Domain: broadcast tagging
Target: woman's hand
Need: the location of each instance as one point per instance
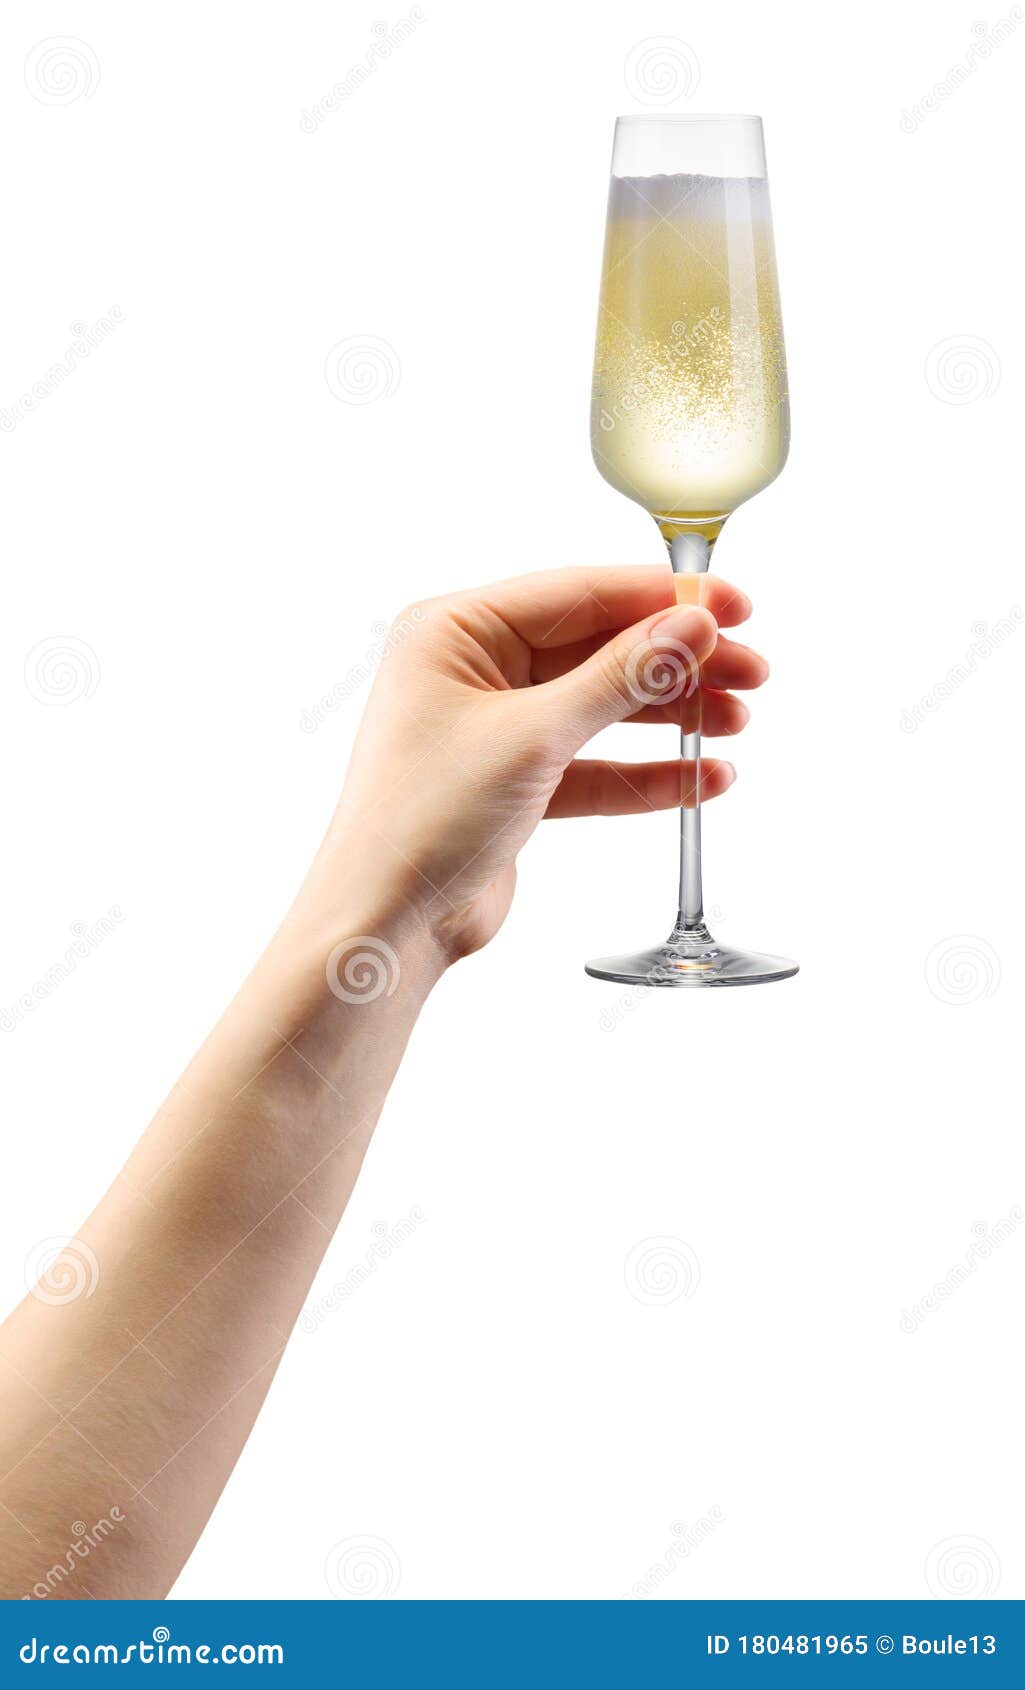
(472, 730)
(133, 1400)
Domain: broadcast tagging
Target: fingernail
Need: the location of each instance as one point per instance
(682, 619)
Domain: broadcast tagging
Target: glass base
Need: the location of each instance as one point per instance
(689, 960)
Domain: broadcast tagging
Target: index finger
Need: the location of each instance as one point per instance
(557, 607)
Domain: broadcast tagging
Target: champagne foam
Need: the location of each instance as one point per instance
(690, 199)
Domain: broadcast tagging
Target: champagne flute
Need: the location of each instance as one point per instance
(689, 417)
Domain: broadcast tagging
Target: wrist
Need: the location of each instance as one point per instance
(360, 935)
(334, 997)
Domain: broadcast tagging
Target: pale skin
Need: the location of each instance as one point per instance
(131, 1377)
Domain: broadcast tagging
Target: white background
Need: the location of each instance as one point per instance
(217, 538)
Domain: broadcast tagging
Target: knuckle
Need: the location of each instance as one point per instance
(414, 615)
(615, 670)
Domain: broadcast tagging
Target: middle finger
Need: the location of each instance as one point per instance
(730, 665)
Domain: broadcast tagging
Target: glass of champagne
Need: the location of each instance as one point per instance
(689, 416)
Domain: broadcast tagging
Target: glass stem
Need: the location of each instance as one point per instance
(689, 554)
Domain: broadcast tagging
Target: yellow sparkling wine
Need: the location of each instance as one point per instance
(689, 410)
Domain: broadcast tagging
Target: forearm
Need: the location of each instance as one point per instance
(136, 1394)
(139, 1395)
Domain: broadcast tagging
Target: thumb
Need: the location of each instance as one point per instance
(654, 662)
